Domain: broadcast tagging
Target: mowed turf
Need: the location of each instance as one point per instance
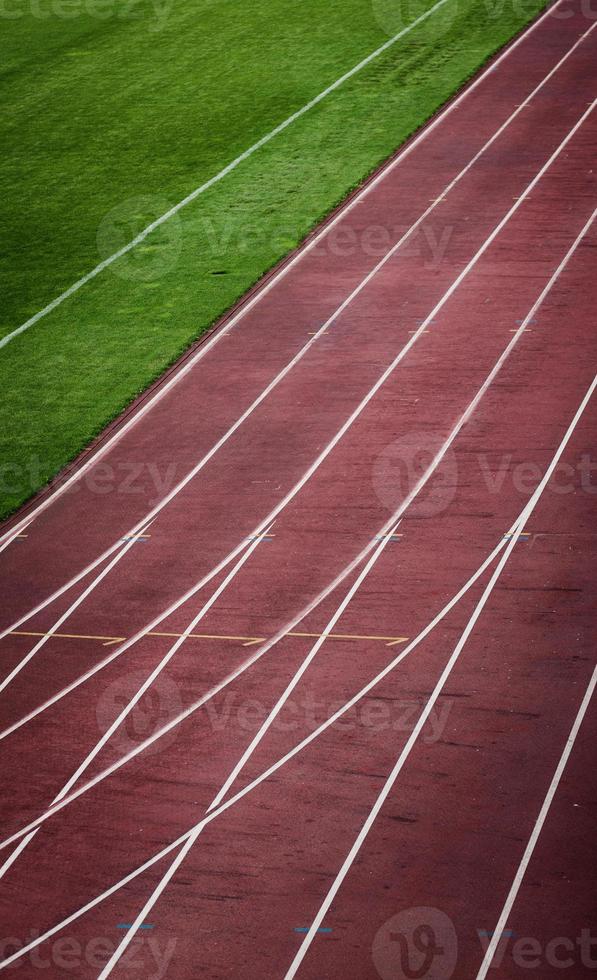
(114, 110)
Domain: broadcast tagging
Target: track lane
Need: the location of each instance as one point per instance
(577, 202)
(514, 698)
(551, 925)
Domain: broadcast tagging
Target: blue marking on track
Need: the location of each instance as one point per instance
(129, 925)
(306, 929)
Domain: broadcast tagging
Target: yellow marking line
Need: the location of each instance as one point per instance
(246, 641)
(71, 636)
(354, 636)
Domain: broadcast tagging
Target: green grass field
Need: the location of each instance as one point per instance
(114, 110)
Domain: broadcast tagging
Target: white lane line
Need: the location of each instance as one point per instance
(271, 283)
(397, 516)
(302, 352)
(199, 466)
(516, 531)
(275, 711)
(437, 691)
(180, 841)
(151, 901)
(138, 695)
(233, 800)
(384, 530)
(71, 609)
(227, 680)
(402, 354)
(512, 895)
(12, 535)
(219, 176)
(174, 722)
(123, 647)
(192, 839)
(518, 527)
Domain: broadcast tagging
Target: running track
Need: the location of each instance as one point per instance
(381, 463)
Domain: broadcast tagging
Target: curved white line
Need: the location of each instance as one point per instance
(528, 853)
(407, 502)
(517, 529)
(173, 650)
(385, 375)
(405, 753)
(362, 556)
(180, 857)
(169, 848)
(364, 691)
(71, 609)
(258, 780)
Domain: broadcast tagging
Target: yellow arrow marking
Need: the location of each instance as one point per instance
(71, 636)
(353, 636)
(246, 641)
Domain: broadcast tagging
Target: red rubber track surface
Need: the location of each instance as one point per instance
(429, 883)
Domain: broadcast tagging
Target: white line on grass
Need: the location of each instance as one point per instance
(503, 919)
(301, 353)
(217, 177)
(282, 272)
(405, 753)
